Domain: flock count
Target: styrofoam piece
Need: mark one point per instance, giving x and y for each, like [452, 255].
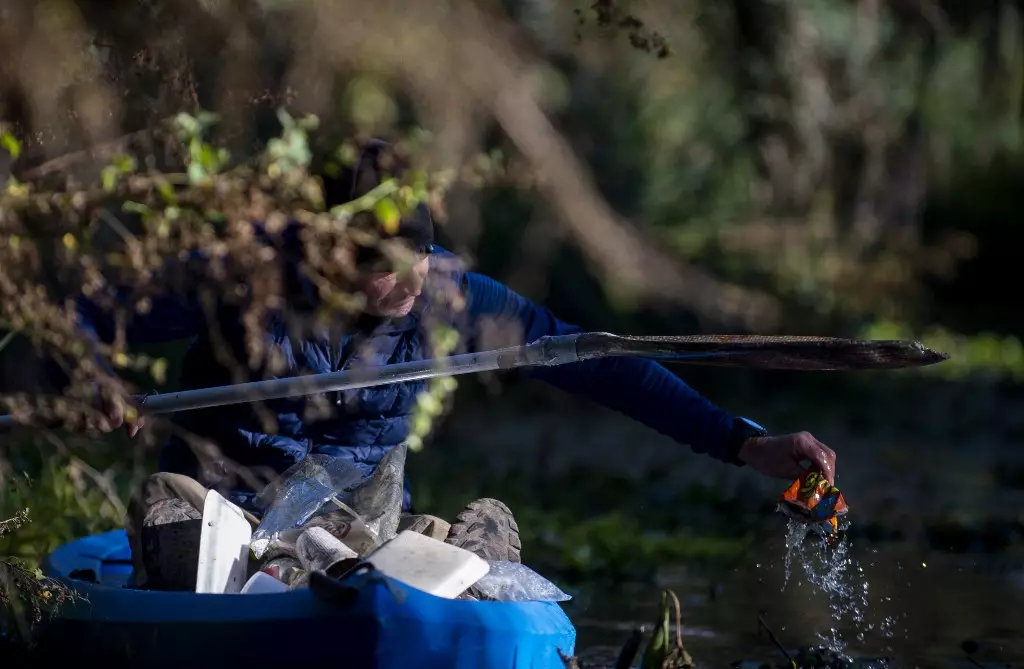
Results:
[223, 547]
[429, 565]
[263, 583]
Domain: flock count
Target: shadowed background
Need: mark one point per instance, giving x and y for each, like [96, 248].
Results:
[845, 168]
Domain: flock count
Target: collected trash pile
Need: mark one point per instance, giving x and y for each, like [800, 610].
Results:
[324, 516]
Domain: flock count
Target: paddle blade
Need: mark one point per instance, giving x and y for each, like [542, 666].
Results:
[761, 352]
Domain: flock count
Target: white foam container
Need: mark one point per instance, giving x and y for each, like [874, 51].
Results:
[429, 565]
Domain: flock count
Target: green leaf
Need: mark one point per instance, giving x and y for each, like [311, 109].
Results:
[205, 119]
[15, 188]
[158, 370]
[421, 423]
[429, 404]
[10, 143]
[196, 173]
[309, 122]
[109, 176]
[133, 207]
[167, 192]
[388, 214]
[188, 126]
[215, 217]
[208, 157]
[286, 120]
[657, 647]
[124, 164]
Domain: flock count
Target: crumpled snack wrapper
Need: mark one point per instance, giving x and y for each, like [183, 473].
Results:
[813, 500]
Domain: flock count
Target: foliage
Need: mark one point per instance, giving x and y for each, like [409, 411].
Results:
[25, 594]
[75, 499]
[661, 653]
[986, 354]
[805, 155]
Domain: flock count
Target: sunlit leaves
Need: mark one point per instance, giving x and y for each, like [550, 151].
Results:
[387, 213]
[981, 354]
[10, 143]
[127, 225]
[291, 150]
[189, 126]
[430, 402]
[204, 159]
[111, 174]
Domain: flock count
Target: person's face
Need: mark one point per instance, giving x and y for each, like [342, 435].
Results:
[393, 294]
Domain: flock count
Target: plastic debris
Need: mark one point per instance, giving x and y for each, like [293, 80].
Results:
[223, 558]
[515, 582]
[433, 566]
[378, 500]
[363, 510]
[319, 550]
[813, 500]
[262, 583]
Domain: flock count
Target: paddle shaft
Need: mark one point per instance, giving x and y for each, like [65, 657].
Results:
[545, 351]
[738, 350]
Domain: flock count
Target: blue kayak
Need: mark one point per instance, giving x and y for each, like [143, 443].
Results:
[384, 623]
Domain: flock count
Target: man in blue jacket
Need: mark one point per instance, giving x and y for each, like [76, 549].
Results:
[366, 424]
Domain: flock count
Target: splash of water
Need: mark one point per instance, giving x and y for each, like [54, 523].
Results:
[834, 572]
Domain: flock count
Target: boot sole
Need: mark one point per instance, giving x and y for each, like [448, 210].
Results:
[487, 528]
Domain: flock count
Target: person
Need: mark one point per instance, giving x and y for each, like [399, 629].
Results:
[368, 423]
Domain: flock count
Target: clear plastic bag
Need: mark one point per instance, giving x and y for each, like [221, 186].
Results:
[378, 501]
[320, 484]
[302, 493]
[515, 582]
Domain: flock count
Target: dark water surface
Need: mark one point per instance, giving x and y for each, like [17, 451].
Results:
[914, 607]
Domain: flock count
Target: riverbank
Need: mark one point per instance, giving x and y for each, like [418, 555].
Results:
[596, 492]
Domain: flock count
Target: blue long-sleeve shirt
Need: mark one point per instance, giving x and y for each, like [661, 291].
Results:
[368, 422]
[641, 389]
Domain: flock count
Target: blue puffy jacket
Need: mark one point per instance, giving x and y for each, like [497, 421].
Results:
[367, 423]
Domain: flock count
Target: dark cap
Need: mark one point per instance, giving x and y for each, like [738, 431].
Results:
[377, 163]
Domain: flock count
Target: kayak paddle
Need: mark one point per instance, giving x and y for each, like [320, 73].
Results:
[746, 351]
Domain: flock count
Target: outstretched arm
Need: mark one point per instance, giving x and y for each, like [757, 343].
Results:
[641, 389]
[170, 316]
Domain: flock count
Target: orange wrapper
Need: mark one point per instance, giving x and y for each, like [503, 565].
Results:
[812, 499]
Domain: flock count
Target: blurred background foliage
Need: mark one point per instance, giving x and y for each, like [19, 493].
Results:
[839, 167]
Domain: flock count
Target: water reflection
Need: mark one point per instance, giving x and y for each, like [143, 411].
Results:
[917, 607]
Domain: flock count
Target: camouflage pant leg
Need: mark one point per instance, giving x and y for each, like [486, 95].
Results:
[172, 502]
[431, 526]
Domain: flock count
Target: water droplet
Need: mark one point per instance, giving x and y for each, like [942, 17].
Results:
[838, 577]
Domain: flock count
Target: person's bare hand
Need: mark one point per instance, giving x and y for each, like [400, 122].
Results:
[783, 456]
[117, 414]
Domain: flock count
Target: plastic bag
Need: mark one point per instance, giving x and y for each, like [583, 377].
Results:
[515, 582]
[378, 501]
[320, 484]
[302, 492]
